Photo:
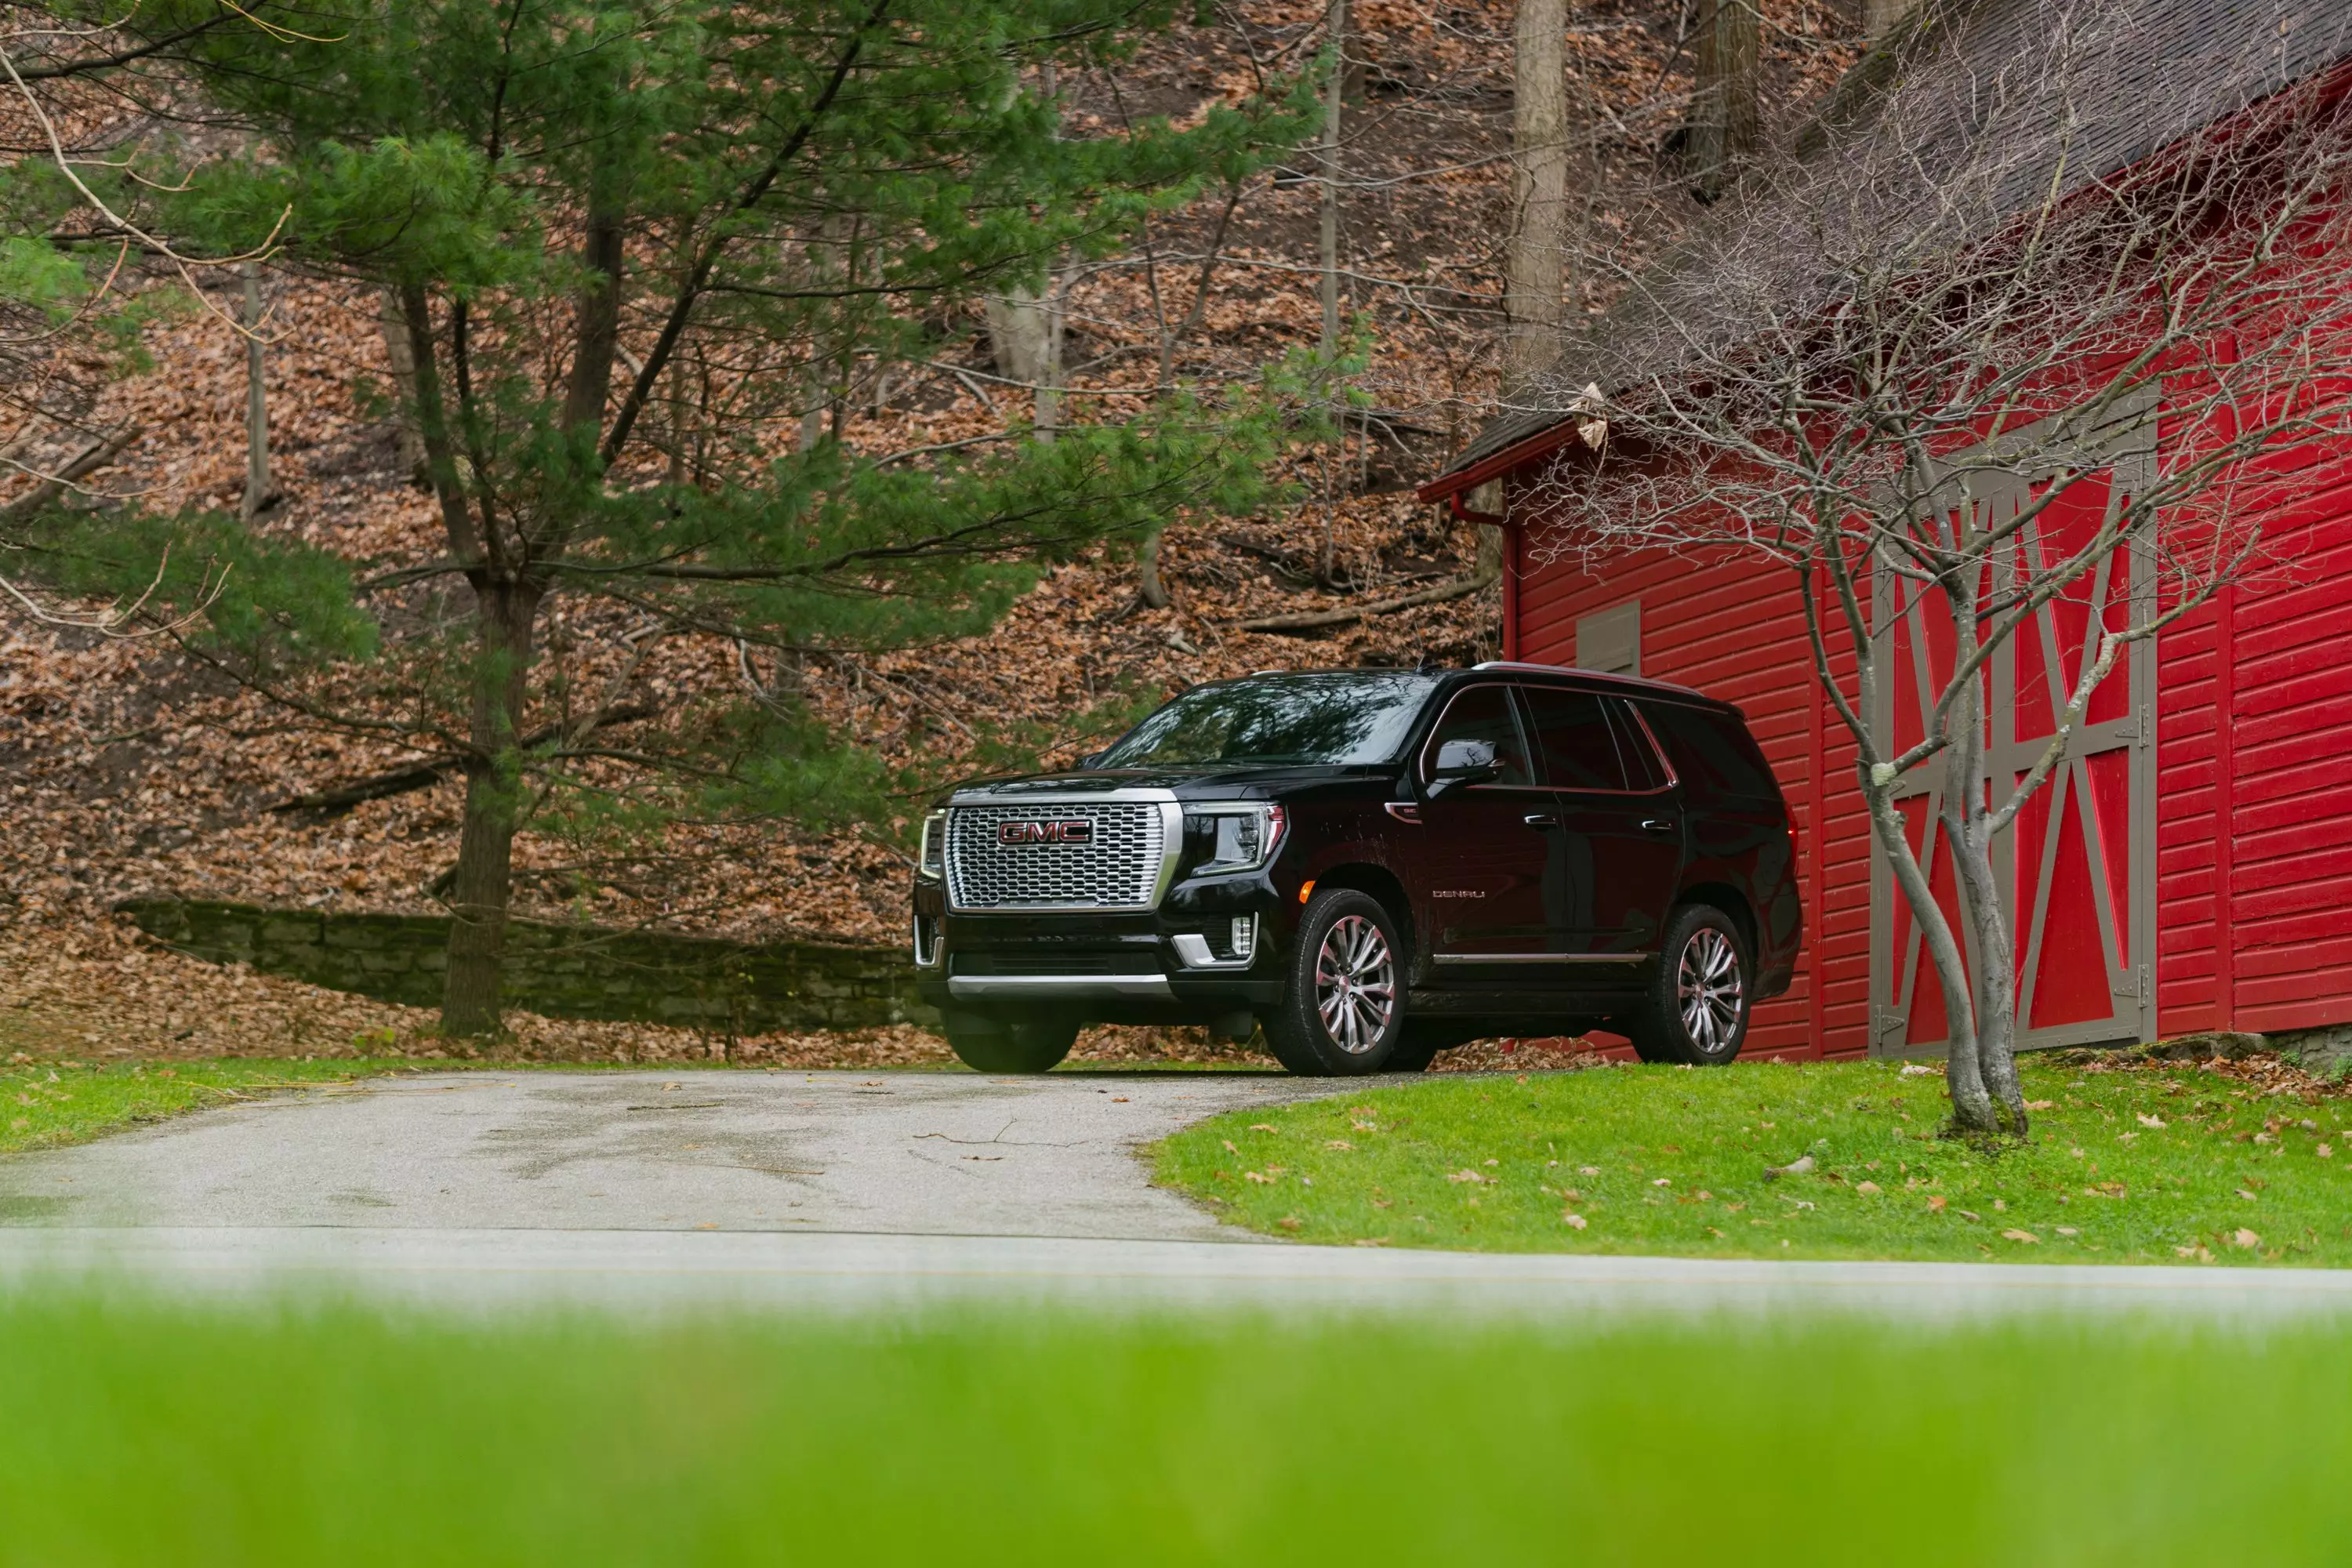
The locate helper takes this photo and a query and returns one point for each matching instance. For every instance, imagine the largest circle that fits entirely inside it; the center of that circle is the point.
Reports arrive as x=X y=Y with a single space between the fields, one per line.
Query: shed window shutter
x=1610 y=640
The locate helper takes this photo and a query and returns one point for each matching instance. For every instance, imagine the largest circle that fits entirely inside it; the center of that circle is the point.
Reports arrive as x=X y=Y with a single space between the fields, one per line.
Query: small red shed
x=2190 y=869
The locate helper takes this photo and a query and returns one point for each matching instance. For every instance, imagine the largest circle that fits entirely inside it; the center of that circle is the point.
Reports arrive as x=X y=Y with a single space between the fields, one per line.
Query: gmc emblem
x=1078 y=832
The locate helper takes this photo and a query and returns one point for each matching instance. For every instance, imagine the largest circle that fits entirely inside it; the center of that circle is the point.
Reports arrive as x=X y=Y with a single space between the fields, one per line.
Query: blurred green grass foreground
x=135 y=1434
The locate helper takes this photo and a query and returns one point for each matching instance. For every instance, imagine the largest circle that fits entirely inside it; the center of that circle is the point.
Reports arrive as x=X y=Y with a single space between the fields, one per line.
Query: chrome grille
x=1118 y=869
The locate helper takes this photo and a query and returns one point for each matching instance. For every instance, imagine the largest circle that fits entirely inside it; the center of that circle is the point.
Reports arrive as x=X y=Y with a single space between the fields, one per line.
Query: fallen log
x=1319 y=620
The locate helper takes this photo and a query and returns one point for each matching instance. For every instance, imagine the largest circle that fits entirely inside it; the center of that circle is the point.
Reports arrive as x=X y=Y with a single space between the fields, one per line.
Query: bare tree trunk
x=1725 y=118
x=402 y=357
x=825 y=256
x=1149 y=587
x=680 y=422
x=1971 y=1106
x=1335 y=100
x=1047 y=407
x=256 y=399
x=1878 y=15
x=1020 y=333
x=1535 y=263
x=469 y=998
x=1990 y=1042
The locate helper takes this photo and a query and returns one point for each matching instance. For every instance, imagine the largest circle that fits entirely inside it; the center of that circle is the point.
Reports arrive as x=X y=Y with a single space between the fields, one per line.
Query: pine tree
x=635 y=252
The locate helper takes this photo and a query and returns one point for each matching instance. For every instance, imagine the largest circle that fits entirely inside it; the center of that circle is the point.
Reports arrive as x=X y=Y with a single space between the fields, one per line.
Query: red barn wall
x=2253 y=759
x=2253 y=755
x=1735 y=631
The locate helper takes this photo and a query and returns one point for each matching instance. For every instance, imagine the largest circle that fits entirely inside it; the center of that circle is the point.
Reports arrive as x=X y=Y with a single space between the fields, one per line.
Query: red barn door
x=2076 y=871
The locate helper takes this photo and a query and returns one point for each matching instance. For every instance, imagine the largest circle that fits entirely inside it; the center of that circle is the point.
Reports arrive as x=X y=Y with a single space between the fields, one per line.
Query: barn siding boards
x=1706 y=624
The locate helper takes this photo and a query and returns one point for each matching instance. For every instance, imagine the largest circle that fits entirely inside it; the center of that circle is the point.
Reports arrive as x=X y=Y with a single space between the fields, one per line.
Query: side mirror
x=1461 y=763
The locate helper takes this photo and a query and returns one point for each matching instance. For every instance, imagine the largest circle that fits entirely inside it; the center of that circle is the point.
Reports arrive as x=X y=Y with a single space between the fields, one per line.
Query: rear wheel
x=987 y=1043
x=1696 y=1011
x=1342 y=1015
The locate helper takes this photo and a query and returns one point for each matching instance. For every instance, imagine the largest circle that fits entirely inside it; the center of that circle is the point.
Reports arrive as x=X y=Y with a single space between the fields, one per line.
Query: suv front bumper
x=1115 y=968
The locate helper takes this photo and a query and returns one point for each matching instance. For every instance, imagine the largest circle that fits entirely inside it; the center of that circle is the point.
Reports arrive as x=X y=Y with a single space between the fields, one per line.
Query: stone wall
x=560 y=971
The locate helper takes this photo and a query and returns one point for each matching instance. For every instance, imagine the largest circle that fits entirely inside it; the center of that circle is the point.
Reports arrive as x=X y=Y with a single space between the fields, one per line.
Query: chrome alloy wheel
x=1355 y=984
x=1709 y=988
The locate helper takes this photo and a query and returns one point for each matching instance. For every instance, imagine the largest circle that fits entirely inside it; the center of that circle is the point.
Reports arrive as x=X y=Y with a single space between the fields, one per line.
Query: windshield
x=1271 y=721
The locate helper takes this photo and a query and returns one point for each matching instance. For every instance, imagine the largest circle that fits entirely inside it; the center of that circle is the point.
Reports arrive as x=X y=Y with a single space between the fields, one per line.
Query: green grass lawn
x=2122 y=1167
x=131 y=1434
x=48 y=1103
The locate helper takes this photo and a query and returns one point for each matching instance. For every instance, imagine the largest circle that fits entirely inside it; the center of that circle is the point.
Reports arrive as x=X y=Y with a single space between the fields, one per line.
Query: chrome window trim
x=1674 y=779
x=1510 y=697
x=1171 y=844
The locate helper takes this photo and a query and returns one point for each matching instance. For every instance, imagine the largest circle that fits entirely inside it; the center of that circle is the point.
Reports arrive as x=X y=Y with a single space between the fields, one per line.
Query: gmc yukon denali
x=1372 y=866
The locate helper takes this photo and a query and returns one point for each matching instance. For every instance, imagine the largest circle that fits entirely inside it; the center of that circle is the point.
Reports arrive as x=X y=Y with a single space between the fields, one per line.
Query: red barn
x=2199 y=875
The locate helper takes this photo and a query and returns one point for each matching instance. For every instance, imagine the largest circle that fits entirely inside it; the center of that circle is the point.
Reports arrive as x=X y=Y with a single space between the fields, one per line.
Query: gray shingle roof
x=2160 y=70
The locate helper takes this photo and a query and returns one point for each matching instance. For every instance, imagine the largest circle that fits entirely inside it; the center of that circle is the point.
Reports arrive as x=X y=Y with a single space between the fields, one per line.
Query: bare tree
x=257 y=495
x=1878 y=15
x=1533 y=263
x=1972 y=360
x=1725 y=118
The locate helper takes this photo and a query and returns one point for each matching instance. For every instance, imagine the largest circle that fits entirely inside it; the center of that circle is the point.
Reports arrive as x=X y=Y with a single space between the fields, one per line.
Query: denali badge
x=1076 y=832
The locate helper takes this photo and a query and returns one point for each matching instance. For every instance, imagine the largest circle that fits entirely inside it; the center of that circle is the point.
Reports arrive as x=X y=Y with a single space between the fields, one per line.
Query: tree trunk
x=1971 y=1106
x=256 y=399
x=1535 y=263
x=1148 y=586
x=1335 y=99
x=1725 y=119
x=505 y=615
x=401 y=355
x=1020 y=333
x=1878 y=15
x=826 y=254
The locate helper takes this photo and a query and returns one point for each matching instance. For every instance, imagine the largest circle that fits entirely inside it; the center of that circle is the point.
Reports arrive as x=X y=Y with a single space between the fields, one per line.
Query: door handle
x=1656 y=825
x=1540 y=819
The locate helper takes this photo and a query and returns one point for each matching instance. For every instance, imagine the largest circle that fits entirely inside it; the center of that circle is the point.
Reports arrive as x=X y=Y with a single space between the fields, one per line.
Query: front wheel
x=1696 y=1010
x=1026 y=1045
x=1342 y=1014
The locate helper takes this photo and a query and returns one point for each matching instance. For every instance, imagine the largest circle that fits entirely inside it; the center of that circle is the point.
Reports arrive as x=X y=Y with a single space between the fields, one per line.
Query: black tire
x=1350 y=960
x=1028 y=1044
x=1696 y=1010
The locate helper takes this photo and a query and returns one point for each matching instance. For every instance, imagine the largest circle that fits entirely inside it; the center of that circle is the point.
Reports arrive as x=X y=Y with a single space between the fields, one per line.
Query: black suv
x=1374 y=866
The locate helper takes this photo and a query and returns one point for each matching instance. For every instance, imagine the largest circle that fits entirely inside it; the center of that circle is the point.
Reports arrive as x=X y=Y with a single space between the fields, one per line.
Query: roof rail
x=1641 y=680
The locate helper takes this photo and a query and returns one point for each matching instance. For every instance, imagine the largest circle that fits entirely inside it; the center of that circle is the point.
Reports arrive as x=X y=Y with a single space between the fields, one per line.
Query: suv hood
x=1185 y=784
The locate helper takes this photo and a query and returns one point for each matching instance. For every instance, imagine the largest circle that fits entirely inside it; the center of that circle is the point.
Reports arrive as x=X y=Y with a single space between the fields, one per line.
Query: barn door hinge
x=1889 y=1021
x=2135 y=985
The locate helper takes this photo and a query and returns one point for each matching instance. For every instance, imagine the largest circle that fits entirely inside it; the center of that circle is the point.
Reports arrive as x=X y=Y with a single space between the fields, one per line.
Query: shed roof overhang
x=1453 y=484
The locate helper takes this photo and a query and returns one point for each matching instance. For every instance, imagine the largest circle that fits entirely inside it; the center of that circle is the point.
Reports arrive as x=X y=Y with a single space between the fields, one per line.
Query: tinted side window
x=1712 y=752
x=1573 y=739
x=1643 y=769
x=1483 y=713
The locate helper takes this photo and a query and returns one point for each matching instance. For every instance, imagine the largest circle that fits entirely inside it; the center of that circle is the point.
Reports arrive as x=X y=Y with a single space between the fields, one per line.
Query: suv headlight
x=932 y=860
x=1237 y=837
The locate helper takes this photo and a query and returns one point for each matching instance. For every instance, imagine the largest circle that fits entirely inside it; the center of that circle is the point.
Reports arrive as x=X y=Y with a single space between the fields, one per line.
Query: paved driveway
x=902 y=1153
x=841 y=1192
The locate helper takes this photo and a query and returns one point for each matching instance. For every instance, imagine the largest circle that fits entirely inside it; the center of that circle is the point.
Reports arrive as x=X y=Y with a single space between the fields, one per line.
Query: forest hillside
x=131 y=769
